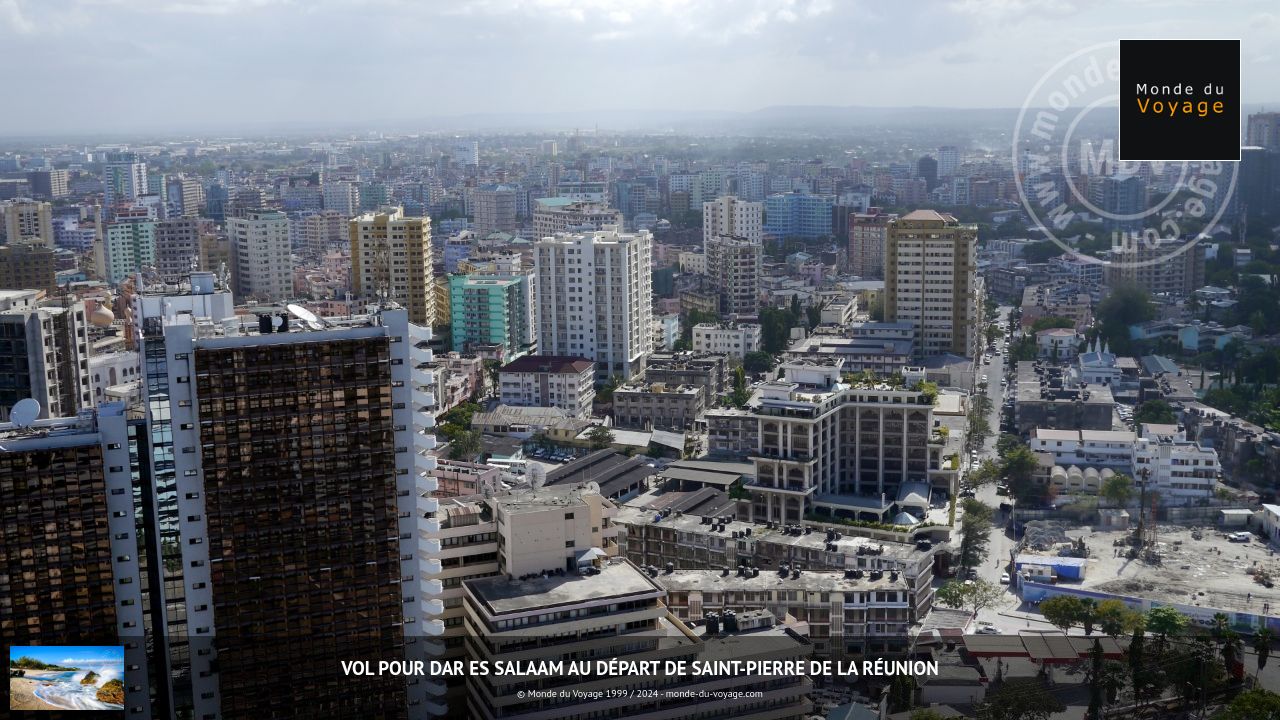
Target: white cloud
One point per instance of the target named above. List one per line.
(12, 17)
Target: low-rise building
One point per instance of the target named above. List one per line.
(549, 381)
(709, 371)
(660, 406)
(726, 339)
(1174, 466)
(1057, 343)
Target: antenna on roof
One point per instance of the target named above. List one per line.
(24, 413)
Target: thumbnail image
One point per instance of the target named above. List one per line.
(66, 677)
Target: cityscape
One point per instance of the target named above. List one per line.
(374, 412)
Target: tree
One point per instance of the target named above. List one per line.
(1018, 468)
(1166, 622)
(1256, 704)
(876, 309)
(975, 532)
(605, 393)
(600, 437)
(1050, 322)
(1115, 618)
(1063, 611)
(1006, 444)
(757, 362)
(465, 445)
(1262, 646)
(987, 472)
(739, 396)
(973, 594)
(1154, 411)
(1118, 489)
(1097, 694)
(1020, 699)
(1127, 304)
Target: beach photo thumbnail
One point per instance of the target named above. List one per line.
(66, 677)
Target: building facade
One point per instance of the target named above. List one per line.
(931, 281)
(549, 381)
(379, 241)
(262, 266)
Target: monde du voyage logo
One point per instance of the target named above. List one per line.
(1180, 100)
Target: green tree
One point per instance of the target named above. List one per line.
(1154, 411)
(757, 362)
(1050, 322)
(1262, 646)
(876, 309)
(605, 392)
(1127, 304)
(1018, 468)
(1097, 693)
(600, 437)
(975, 532)
(1115, 618)
(739, 396)
(1256, 704)
(1166, 622)
(971, 594)
(1020, 699)
(1006, 443)
(987, 472)
(1063, 611)
(465, 445)
(1118, 489)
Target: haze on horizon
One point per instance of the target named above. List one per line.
(126, 66)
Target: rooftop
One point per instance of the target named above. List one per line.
(769, 579)
(548, 363)
(617, 580)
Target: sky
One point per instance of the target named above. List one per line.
(71, 655)
(173, 65)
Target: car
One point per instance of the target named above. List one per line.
(1004, 578)
(988, 631)
(1239, 537)
(968, 494)
(986, 378)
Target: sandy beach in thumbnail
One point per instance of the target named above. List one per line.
(22, 692)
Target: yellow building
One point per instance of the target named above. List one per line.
(931, 280)
(391, 258)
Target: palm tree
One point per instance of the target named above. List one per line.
(1262, 646)
(1232, 650)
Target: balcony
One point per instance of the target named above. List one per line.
(421, 355)
(424, 440)
(434, 687)
(424, 398)
(431, 587)
(434, 606)
(432, 648)
(433, 628)
(435, 709)
(424, 420)
(419, 333)
(423, 376)
(430, 547)
(431, 566)
(427, 504)
(431, 526)
(426, 463)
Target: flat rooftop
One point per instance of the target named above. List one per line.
(617, 580)
(770, 579)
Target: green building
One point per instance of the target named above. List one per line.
(491, 315)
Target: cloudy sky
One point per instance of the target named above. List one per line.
(147, 65)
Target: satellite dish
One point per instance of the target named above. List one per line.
(25, 412)
(307, 317)
(277, 321)
(591, 488)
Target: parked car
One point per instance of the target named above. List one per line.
(1004, 578)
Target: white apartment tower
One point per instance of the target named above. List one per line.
(343, 197)
(262, 266)
(727, 215)
(595, 295)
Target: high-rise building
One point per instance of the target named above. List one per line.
(557, 215)
(379, 241)
(291, 480)
(1122, 200)
(49, 184)
(177, 247)
(69, 541)
(1258, 183)
(320, 231)
(184, 196)
(489, 315)
(127, 248)
(44, 355)
(729, 216)
(948, 161)
(262, 265)
(124, 178)
(466, 152)
(28, 267)
(868, 233)
(797, 214)
(1264, 131)
(734, 266)
(494, 209)
(1160, 267)
(27, 221)
(342, 197)
(927, 168)
(595, 299)
(931, 281)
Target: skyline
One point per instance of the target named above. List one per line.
(201, 65)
